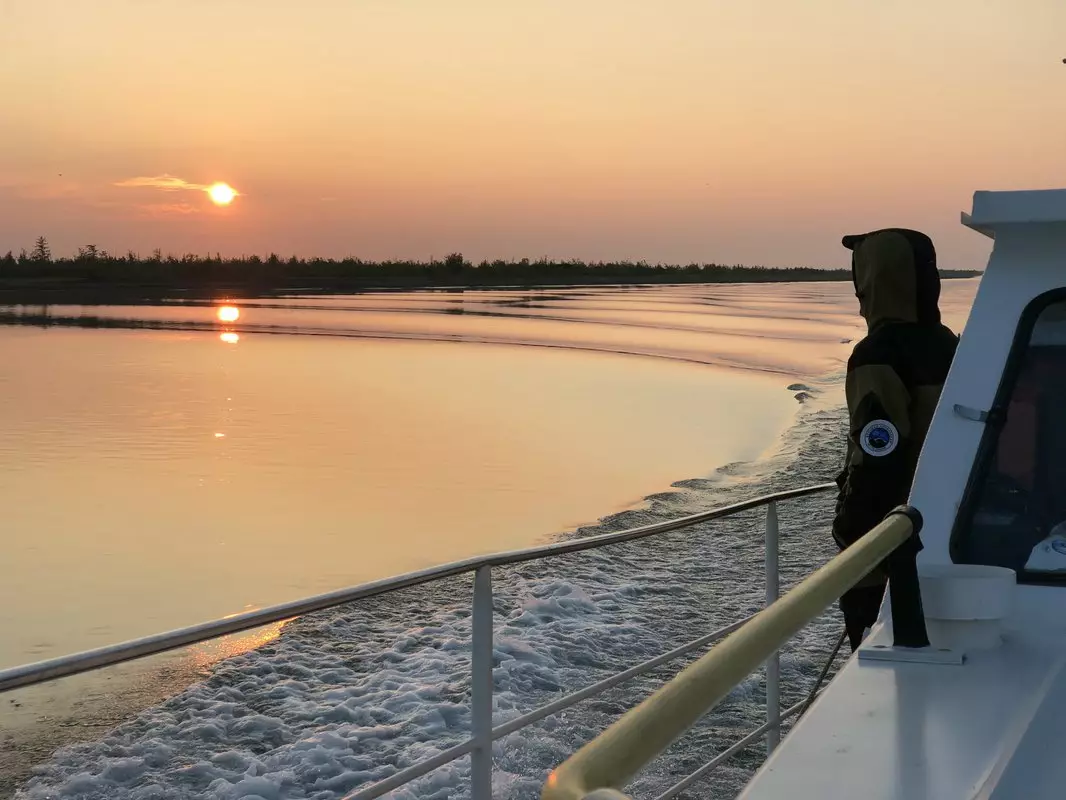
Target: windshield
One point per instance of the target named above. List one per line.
(1015, 515)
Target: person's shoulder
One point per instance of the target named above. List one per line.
(906, 347)
(879, 346)
(936, 342)
(946, 335)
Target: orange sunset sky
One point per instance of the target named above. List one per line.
(754, 131)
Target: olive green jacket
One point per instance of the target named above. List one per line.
(894, 376)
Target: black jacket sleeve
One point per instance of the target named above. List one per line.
(877, 475)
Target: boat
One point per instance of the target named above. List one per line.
(958, 691)
(955, 691)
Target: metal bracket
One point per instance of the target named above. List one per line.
(972, 414)
(877, 646)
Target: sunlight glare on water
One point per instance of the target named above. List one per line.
(228, 313)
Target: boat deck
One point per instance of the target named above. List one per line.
(901, 731)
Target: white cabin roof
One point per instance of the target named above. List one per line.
(994, 209)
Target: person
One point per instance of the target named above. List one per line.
(894, 378)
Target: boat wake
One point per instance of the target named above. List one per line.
(778, 330)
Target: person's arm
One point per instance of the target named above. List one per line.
(876, 477)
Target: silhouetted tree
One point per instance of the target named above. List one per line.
(41, 252)
(454, 263)
(88, 253)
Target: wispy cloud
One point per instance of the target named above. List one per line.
(158, 210)
(168, 183)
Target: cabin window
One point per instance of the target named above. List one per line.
(1014, 511)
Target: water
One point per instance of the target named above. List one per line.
(157, 479)
(344, 684)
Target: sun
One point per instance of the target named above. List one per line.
(221, 194)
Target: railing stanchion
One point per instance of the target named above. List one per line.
(773, 665)
(481, 686)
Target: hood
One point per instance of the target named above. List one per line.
(895, 276)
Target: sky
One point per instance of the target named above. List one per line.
(733, 131)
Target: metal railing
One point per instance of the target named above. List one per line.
(483, 733)
(607, 763)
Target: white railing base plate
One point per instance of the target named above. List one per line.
(879, 647)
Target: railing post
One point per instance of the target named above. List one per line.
(481, 686)
(773, 665)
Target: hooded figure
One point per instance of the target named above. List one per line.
(893, 385)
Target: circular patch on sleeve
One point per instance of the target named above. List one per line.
(879, 438)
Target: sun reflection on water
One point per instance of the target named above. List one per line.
(228, 313)
(207, 653)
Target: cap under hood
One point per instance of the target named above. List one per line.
(895, 275)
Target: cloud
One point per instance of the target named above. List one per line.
(168, 183)
(167, 210)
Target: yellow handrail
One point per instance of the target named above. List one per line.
(609, 762)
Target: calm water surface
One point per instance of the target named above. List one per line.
(154, 478)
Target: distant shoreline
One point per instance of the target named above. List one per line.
(96, 277)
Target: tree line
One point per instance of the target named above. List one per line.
(196, 274)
